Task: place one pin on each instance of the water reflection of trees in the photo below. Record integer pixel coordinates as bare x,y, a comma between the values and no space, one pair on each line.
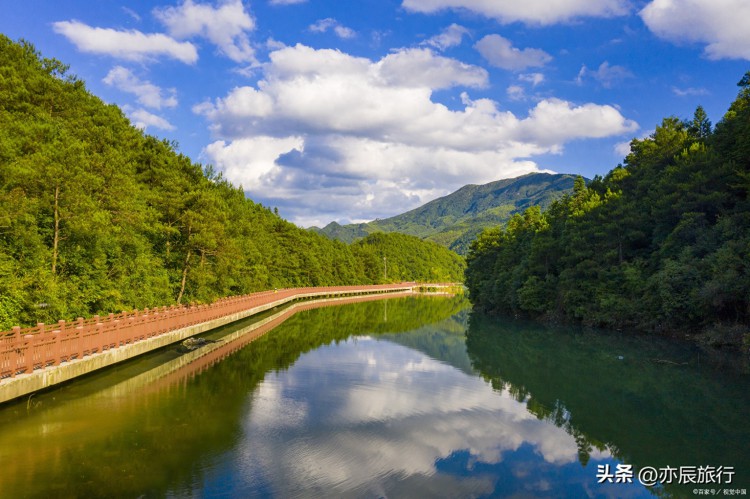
648,402
157,442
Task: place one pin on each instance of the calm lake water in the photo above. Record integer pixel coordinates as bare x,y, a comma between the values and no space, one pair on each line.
411,397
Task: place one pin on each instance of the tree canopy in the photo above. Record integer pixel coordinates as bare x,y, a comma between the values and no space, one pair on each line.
400,257
96,216
661,243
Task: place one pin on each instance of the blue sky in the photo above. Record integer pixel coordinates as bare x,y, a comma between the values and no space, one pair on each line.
362,109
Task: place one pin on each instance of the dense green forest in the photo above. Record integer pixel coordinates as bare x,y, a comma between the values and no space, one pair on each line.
97,216
455,220
400,257
661,243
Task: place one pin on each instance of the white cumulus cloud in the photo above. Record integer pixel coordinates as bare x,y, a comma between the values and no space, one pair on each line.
225,26
451,36
515,92
132,13
398,415
143,119
553,122
622,149
251,160
690,91
723,25
356,139
608,76
329,23
501,53
131,45
147,93
533,78
422,68
540,12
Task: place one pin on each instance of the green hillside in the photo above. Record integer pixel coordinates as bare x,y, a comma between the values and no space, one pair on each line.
661,243
401,257
97,216
455,220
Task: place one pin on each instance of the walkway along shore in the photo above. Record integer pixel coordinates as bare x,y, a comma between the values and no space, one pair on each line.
190,364
36,358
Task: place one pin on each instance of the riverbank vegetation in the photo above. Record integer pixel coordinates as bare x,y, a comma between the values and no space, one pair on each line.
661,243
96,216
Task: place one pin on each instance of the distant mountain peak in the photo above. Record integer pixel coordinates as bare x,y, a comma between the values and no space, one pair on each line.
454,220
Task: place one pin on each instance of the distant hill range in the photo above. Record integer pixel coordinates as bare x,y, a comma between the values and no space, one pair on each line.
456,219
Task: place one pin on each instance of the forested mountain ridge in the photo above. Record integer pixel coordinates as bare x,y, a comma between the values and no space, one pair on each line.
661,243
98,217
455,220
401,257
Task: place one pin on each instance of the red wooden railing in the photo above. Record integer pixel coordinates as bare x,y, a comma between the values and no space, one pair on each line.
24,349
225,349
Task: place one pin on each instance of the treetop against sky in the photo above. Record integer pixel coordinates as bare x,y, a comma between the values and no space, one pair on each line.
364,109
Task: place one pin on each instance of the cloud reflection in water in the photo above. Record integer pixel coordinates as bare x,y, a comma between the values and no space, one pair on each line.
373,418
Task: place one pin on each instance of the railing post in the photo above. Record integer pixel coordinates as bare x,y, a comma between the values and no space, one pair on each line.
114,341
111,319
28,354
31,348
156,331
136,326
141,317
145,317
146,324
121,327
85,336
165,311
154,322
179,317
17,348
80,335
156,317
94,337
168,318
59,333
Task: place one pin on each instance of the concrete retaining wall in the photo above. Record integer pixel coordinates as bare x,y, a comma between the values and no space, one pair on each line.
25,384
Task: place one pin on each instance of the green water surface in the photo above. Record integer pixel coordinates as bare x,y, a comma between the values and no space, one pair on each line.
408,397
